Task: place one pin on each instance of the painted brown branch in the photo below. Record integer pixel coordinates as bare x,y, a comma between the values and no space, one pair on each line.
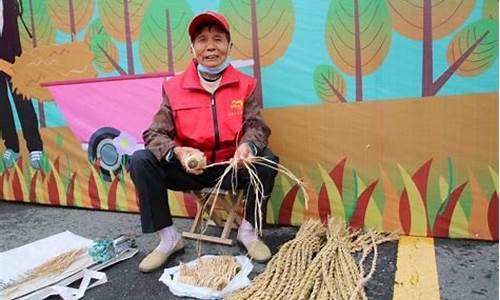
72,29
33,27
170,54
256,54
112,61
454,67
332,87
128,38
357,54
427,61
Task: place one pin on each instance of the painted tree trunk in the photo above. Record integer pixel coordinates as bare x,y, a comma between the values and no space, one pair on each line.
33,29
170,53
427,62
128,39
357,46
256,54
72,20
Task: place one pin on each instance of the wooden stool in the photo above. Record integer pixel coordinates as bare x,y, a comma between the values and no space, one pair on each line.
230,203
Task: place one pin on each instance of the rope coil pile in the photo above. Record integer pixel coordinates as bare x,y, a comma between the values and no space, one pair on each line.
308,267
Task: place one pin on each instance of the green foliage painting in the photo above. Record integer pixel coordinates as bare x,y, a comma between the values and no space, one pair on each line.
261,30
358,36
164,42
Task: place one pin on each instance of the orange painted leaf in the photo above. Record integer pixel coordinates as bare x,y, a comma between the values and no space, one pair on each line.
70,196
391,216
478,220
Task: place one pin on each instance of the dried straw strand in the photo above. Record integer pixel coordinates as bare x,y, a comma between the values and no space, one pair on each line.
214,272
54,266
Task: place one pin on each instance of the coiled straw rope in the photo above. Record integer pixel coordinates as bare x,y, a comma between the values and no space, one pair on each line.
324,271
287,267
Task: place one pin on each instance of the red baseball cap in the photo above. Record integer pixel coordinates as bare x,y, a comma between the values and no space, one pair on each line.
207,17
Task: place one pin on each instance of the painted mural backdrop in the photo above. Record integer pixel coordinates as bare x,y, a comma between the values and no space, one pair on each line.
387,109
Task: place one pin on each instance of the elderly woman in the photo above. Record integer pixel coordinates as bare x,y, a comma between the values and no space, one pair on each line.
209,112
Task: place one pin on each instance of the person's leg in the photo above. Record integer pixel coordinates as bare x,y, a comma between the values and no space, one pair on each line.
266,176
152,179
246,232
7,125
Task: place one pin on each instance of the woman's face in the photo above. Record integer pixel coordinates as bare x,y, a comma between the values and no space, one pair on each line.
211,46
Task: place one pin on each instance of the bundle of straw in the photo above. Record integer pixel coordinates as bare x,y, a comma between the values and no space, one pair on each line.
55,266
214,272
249,165
288,266
48,63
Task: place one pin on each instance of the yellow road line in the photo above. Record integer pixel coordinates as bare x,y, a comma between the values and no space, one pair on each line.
416,273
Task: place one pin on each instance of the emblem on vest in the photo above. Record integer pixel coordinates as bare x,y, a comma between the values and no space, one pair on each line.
236,108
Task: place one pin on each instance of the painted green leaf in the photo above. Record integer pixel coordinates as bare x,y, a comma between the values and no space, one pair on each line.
418,214
42,28
153,45
494,177
112,14
483,56
275,23
373,214
59,139
329,84
374,35
102,46
444,189
94,29
490,9
459,224
70,18
336,203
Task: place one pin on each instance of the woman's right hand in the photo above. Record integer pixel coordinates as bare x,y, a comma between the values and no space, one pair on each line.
192,159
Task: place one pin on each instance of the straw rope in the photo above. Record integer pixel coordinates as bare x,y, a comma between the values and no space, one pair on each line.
288,266
307,268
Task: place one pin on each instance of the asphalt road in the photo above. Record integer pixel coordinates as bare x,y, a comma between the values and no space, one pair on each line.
466,269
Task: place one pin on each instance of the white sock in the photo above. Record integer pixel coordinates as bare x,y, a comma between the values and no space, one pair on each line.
168,238
246,233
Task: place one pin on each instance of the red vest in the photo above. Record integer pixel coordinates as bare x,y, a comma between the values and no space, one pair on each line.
209,123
